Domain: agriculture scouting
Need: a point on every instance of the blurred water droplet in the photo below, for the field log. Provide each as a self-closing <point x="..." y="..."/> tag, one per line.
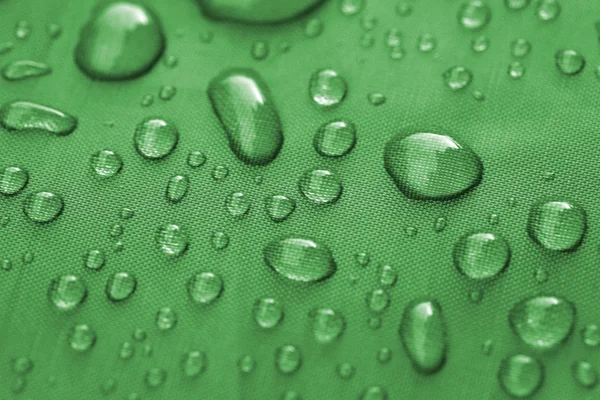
<point x="396" y="53"/>
<point x="351" y="7"/>
<point x="440" y="224"/>
<point x="259" y="50"/>
<point x="367" y="40"/>
<point x="268" y="312"/>
<point x="374" y="393"/>
<point x="481" y="255"/>
<point x="120" y="286"/>
<point x="23" y="69"/>
<point x="279" y="207"/>
<point x="591" y="335"/>
<point x="516" y="70"/>
<point x="116" y="230"/>
<point x="520" y="48"/>
<point x="520" y="375"/>
<point x="82" y="338"/>
<point x="67" y="292"/>
<point x="126" y="350"/>
<point x="393" y="38"/>
<point x="547" y="10"/>
<point x="374" y="322"/>
<point x="147" y="100"/>
<point x="516" y="5"/>
<point x="480" y="44"/>
<point x="388" y="276"/>
<point x="6" y="265"/>
<point x="177" y="188"/>
<point x="479" y="96"/>
<point x="426" y="43"/>
<point x="569" y="62"/>
<point x="18" y="385"/>
<point x="287" y="359"/>
<point x="220" y="172"/>
<point x="28" y="257"/>
<point x="320" y="186"/>
<point x="22" y="30"/>
<point x="194" y="363"/>
<point x="220" y="240"/>
<point x="376" y="99"/>
<point x="313" y="28"/>
<point x="541" y="275"/>
<point x="457" y="78"/>
<point x="108" y="386"/>
<point x="557" y="225"/>
<point x="106" y="163"/>
<point x="196" y="159"/>
<point x="13" y="180"/>
<point x="368" y="22"/>
<point x="327" y="324"/>
<point x="362" y="258"/>
<point x="345" y="371"/>
<point x="172" y="240"/>
<point x="585" y="374"/>
<point x="126" y="213"/>
<point x="140" y="334"/>
<point x="246" y="364"/>
<point x="167" y="92"/>
<point x="170" y="61"/>
<point x="155" y="138"/>
<point x="487" y="347"/>
<point x="384" y="355"/>
<point x="291" y="395"/>
<point x="403" y="8"/>
<point x="378" y="300"/>
<point x="95" y="259"/>
<point x="166" y="319"/>
<point x="155" y="377"/>
<point x="22" y="365"/>
<point x="23" y="116"/>
<point x="335" y="139"/>
<point x="205" y="287"/>
<point x="327" y="88"/>
<point x="237" y="204"/>
<point x="301" y="260"/>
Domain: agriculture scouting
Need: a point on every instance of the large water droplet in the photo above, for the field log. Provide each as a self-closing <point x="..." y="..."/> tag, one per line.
<point x="423" y="334"/>
<point x="205" y="287"/>
<point x="268" y="312"/>
<point x="245" y="108"/>
<point x="301" y="260"/>
<point x="43" y="207"/>
<point x="106" y="163"/>
<point x="457" y="78"/>
<point x="429" y="166"/>
<point x="335" y="139"/>
<point x="172" y="240"/>
<point x="327" y="88"/>
<point x="256" y="11"/>
<point x="569" y="61"/>
<point x="327" y="324"/>
<point x="279" y="207"/>
<point x="320" y="186"/>
<point x="13" y="180"/>
<point x="288" y="359"/>
<point x="557" y="225"/>
<point x="67" y="292"/>
<point x="520" y="375"/>
<point x="481" y="255"/>
<point x="23" y="116"/>
<point x="585" y="374"/>
<point x="177" y="188"/>
<point x="23" y="69"/>
<point x="542" y="322"/>
<point x="155" y="138"/>
<point x="474" y="14"/>
<point x="122" y="40"/>
<point x="82" y="338"/>
<point x="194" y="363"/>
<point x="120" y="286"/>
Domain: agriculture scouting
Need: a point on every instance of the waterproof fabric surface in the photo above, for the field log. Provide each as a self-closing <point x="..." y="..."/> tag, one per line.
<point x="525" y="129"/>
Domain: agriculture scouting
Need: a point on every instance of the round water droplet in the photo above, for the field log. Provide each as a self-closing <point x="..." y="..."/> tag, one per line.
<point x="13" y="180"/>
<point x="374" y="393"/>
<point x="547" y="10"/>
<point x="95" y="259"/>
<point x="376" y="99"/>
<point x="384" y="355"/>
<point x="520" y="48"/>
<point x="172" y="240"/>
<point x="520" y="375"/>
<point x="6" y="265"/>
<point x="480" y="44"/>
<point x="378" y="300"/>
<point x="126" y="350"/>
<point x="260" y="50"/>
<point x="287" y="359"/>
<point x="279" y="207"/>
<point x="516" y="5"/>
<point x="351" y="7"/>
<point x="167" y="92"/>
<point x="569" y="61"/>
<point x="205" y="287"/>
<point x="22" y="365"/>
<point x="313" y="28"/>
<point x="166" y="319"/>
<point x="481" y="255"/>
<point x="345" y="371"/>
<point x="246" y="364"/>
<point x="126" y="213"/>
<point x="147" y="100"/>
<point x="327" y="88"/>
<point x="140" y="335"/>
<point x="106" y="163"/>
<point x="327" y="324"/>
<point x="320" y="186"/>
<point x="426" y="43"/>
<point x="542" y="322"/>
<point x="67" y="292"/>
<point x="429" y="166"/>
<point x="335" y="139"/>
<point x="457" y="78"/>
<point x="557" y="225"/>
<point x="237" y="204"/>
<point x="177" y="188"/>
<point x="120" y="286"/>
<point x="301" y="260"/>
<point x="516" y="70"/>
<point x="196" y="159"/>
<point x="82" y="338"/>
<point x="268" y="312"/>
<point x="479" y="96"/>
<point x="116" y="231"/>
<point x="155" y="138"/>
<point x="220" y="172"/>
<point x="585" y="374"/>
<point x="367" y="40"/>
<point x="487" y="347"/>
<point x="155" y="377"/>
<point x="388" y="276"/>
<point x="220" y="240"/>
<point x="122" y="40"/>
<point x="474" y="15"/>
<point x="194" y="363"/>
<point x="43" y="206"/>
<point x="591" y="335"/>
<point x="22" y="30"/>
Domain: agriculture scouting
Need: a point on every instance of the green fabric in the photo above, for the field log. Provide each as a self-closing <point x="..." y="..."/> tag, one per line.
<point x="543" y="123"/>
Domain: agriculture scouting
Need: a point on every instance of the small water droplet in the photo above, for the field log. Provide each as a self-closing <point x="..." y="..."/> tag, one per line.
<point x="28" y="257"/>
<point x="167" y="92"/>
<point x="480" y="44"/>
<point x="106" y="163"/>
<point x="384" y="355"/>
<point x="388" y="276"/>
<point x="126" y="213"/>
<point x="170" y="61"/>
<point x="140" y="334"/>
<point x="487" y="347"/>
<point x="237" y="204"/>
<point x="177" y="188"/>
<point x="440" y="224"/>
<point x="13" y="180"/>
<point x="246" y="364"/>
<point x="116" y="231"/>
<point x="367" y="40"/>
<point x="541" y="275"/>
<point x="120" y="286"/>
<point x="108" y="386"/>
<point x="327" y="88"/>
<point x="172" y="240"/>
<point x="569" y="62"/>
<point x="155" y="377"/>
<point x="457" y="78"/>
<point x="155" y="138"/>
<point x="335" y="139"/>
<point x="6" y="265"/>
<point x="520" y="375"/>
<point x="378" y="300"/>
<point x="82" y="338"/>
<point x="376" y="99"/>
<point x="345" y="371"/>
<point x="300" y="260"/>
<point x="22" y="365"/>
<point x="516" y="70"/>
<point x="475" y="296"/>
<point x="94" y="259"/>
<point x="24" y="69"/>
<point x="557" y="225"/>
<point x="196" y="159"/>
<point x="313" y="28"/>
<point x="327" y="324"/>
<point x="403" y="9"/>
<point x="516" y="5"/>
<point x="520" y="48"/>
<point x="479" y="96"/>
<point x="374" y="393"/>
<point x="393" y="38"/>
<point x="220" y="240"/>
<point x="206" y="37"/>
<point x="591" y="335"/>
<point x="19" y="384"/>
<point x="205" y="287"/>
<point x="320" y="186"/>
<point x="22" y="30"/>
<point x="23" y="116"/>
<point x="220" y="172"/>
<point x="279" y="207"/>
<point x="396" y="53"/>
<point x="547" y="10"/>
<point x="194" y="363"/>
<point x="426" y="43"/>
<point x="147" y="100"/>
<point x="474" y="15"/>
<point x="288" y="359"/>
<point x="67" y="292"/>
<point x="291" y="395"/>
<point x="259" y="50"/>
<point x="585" y="374"/>
<point x="351" y="7"/>
<point x="481" y="255"/>
<point x="268" y="312"/>
<point x="126" y="350"/>
<point x="166" y="319"/>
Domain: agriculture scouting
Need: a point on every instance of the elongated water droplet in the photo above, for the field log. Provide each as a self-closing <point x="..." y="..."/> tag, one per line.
<point x="327" y="88"/>
<point x="320" y="186"/>
<point x="120" y="286"/>
<point x="147" y="100"/>
<point x="67" y="292"/>
<point x="237" y="204"/>
<point x="53" y="30"/>
<point x="95" y="259"/>
<point x="384" y="355"/>
<point x="542" y="322"/>
<point x="43" y="207"/>
<point x="177" y="188"/>
<point x="256" y="11"/>
<point x="194" y="363"/>
<point x="335" y="139"/>
<point x="378" y="300"/>
<point x="122" y="40"/>
<point x="569" y="62"/>
<point x="6" y="47"/>
<point x="82" y="338"/>
<point x="166" y="319"/>
<point x="520" y="375"/>
<point x="23" y="116"/>
<point x="313" y="28"/>
<point x="155" y="138"/>
<point x="288" y="359"/>
<point x="106" y="163"/>
<point x="431" y="166"/>
<point x="172" y="240"/>
<point x="457" y="78"/>
<point x="245" y="108"/>
<point x="557" y="225"/>
<point x="126" y="350"/>
<point x="423" y="334"/>
<point x="268" y="312"/>
<point x="376" y="99"/>
<point x="23" y="69"/>
<point x="388" y="276"/>
<point x="279" y="207"/>
<point x="220" y="240"/>
<point x="205" y="287"/>
<point x="301" y="260"/>
<point x="547" y="10"/>
<point x="22" y="365"/>
<point x="13" y="180"/>
<point x="327" y="324"/>
<point x="585" y="374"/>
<point x="481" y="255"/>
<point x="155" y="377"/>
<point x="474" y="15"/>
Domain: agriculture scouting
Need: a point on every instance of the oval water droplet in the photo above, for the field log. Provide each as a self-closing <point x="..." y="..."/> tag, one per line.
<point x="155" y="377"/>
<point x="82" y="338"/>
<point x="481" y="255"/>
<point x="155" y="138"/>
<point x="327" y="324"/>
<point x="194" y="363"/>
<point x="220" y="240"/>
<point x="237" y="204"/>
<point x="196" y="159"/>
<point x="520" y="375"/>
<point x="13" y="180"/>
<point x="327" y="88"/>
<point x="547" y="10"/>
<point x="384" y="355"/>
<point x="166" y="319"/>
<point x="167" y="92"/>
<point x="256" y="11"/>
<point x="268" y="312"/>
<point x="429" y="166"/>
<point x="426" y="43"/>
<point x="320" y="186"/>
<point x="569" y="62"/>
<point x="301" y="260"/>
<point x="43" y="207"/>
<point x="474" y="15"/>
<point x="67" y="292"/>
<point x="279" y="207"/>
<point x="313" y="28"/>
<point x="585" y="374"/>
<point x="351" y="7"/>
<point x="126" y="350"/>
<point x="423" y="335"/>
<point x="516" y="5"/>
<point x="106" y="163"/>
<point x="557" y="225"/>
<point x="520" y="47"/>
<point x="378" y="300"/>
<point x="22" y="365"/>
<point x="335" y="139"/>
<point x="23" y="116"/>
<point x="288" y="359"/>
<point x="177" y="188"/>
<point x="120" y="286"/>
<point x="205" y="287"/>
<point x="457" y="78"/>
<point x="516" y="70"/>
<point x="94" y="259"/>
<point x="259" y="50"/>
<point x="345" y="371"/>
<point x="122" y="40"/>
<point x="388" y="276"/>
<point x="23" y="69"/>
<point x="172" y="240"/>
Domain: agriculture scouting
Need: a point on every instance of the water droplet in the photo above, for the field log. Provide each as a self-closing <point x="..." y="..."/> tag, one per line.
<point x="327" y="88"/>
<point x="351" y="7"/>
<point x="82" y="338"/>
<point x="569" y="61"/>
<point x="205" y="287"/>
<point x="22" y="365"/>
<point x="155" y="138"/>
<point x="487" y="347"/>
<point x="120" y="286"/>
<point x="23" y="116"/>
<point x="246" y="364"/>
<point x="423" y="334"/>
<point x="116" y="231"/>
<point x="457" y="78"/>
<point x="126" y="350"/>
<point x="378" y="300"/>
<point x="172" y="240"/>
<point x="474" y="15"/>
<point x="108" y="386"/>
<point x="440" y="224"/>
<point x="493" y="219"/>
<point x="327" y="324"/>
<point x="167" y="92"/>
<point x="155" y="377"/>
<point x="23" y="69"/>
<point x="429" y="166"/>
<point x="196" y="159"/>
<point x="585" y="374"/>
<point x="140" y="335"/>
<point x="426" y="43"/>
<point x="95" y="259"/>
<point x="4" y="221"/>
<point x="106" y="163"/>
<point x="516" y="5"/>
<point x="279" y="207"/>
<point x="557" y="225"/>
<point x="362" y="258"/>
<point x="320" y="186"/>
<point x="403" y="9"/>
<point x="541" y="275"/>
<point x="284" y="46"/>
<point x="384" y="355"/>
<point x="481" y="255"/>
<point x="147" y="100"/>
<point x="388" y="276"/>
<point x="67" y="292"/>
<point x="27" y="258"/>
<point x="126" y="213"/>
<point x="22" y="30"/>
<point x="6" y="265"/>
<point x="194" y="363"/>
<point x="345" y="371"/>
<point x="520" y="375"/>
<point x="374" y="393"/>
<point x="291" y="395"/>
<point x="313" y="28"/>
<point x="288" y="359"/>
<point x="6" y="47"/>
<point x="542" y="322"/>
<point x="479" y="96"/>
<point x="547" y="10"/>
<point x="259" y="50"/>
<point x="268" y="312"/>
<point x="301" y="260"/>
<point x="335" y="139"/>
<point x="393" y="38"/>
<point x="220" y="240"/>
<point x="396" y="53"/>
<point x="244" y="106"/>
<point x="237" y="204"/>
<point x="177" y="188"/>
<point x="220" y="172"/>
<point x="13" y="180"/>
<point x="591" y="335"/>
<point x="520" y="48"/>
<point x="480" y="44"/>
<point x="516" y="70"/>
<point x="122" y="40"/>
<point x="170" y="61"/>
<point x="166" y="319"/>
<point x="256" y="12"/>
<point x="376" y="99"/>
<point x="374" y="322"/>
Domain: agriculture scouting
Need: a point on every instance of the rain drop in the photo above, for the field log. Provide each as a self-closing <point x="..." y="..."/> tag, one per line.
<point x="13" y="180"/>
<point x="268" y="312"/>
<point x="172" y="240"/>
<point x="327" y="325"/>
<point x="166" y="319"/>
<point x="120" y="286"/>
<point x="320" y="186"/>
<point x="474" y="15"/>
<point x="155" y="138"/>
<point x="300" y="260"/>
<point x="335" y="139"/>
<point x="287" y="359"/>
<point x="82" y="338"/>
<point x="520" y="375"/>
<point x="327" y="88"/>
<point x="67" y="292"/>
<point x="557" y="225"/>
<point x="569" y="62"/>
<point x="279" y="207"/>
<point x="481" y="255"/>
<point x="205" y="287"/>
<point x="106" y="163"/>
<point x="177" y="188"/>
<point x="457" y="78"/>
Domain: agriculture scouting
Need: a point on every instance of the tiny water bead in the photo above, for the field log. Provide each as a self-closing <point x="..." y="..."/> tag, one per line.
<point x="374" y="393"/>
<point x="335" y="139"/>
<point x="22" y="365"/>
<point x="327" y="324"/>
<point x="547" y="10"/>
<point x="194" y="363"/>
<point x="569" y="62"/>
<point x="177" y="188"/>
<point x="426" y="43"/>
<point x="244" y="106"/>
<point x="166" y="319"/>
<point x="542" y="322"/>
<point x="423" y="334"/>
<point x="388" y="276"/>
<point x="457" y="78"/>
<point x="557" y="225"/>
<point x="585" y="374"/>
<point x="478" y="95"/>
<point x="170" y="61"/>
<point x="126" y="213"/>
<point x="384" y="355"/>
<point x="268" y="312"/>
<point x="520" y="375"/>
<point x="279" y="207"/>
<point x="67" y="292"/>
<point x="23" y="69"/>
<point x="591" y="335"/>
<point x="351" y="7"/>
<point x="120" y="286"/>
<point x="238" y="204"/>
<point x="116" y="231"/>
<point x="196" y="159"/>
<point x="219" y="240"/>
<point x="167" y="92"/>
<point x="147" y="100"/>
<point x="106" y="163"/>
<point x="320" y="186"/>
<point x="155" y="377"/>
<point x="94" y="259"/>
<point x="327" y="88"/>
<point x="122" y="40"/>
<point x="13" y="180"/>
<point x="520" y="48"/>
<point x="24" y="116"/>
<point x="27" y="258"/>
<point x="376" y="99"/>
<point x="108" y="386"/>
<point x="516" y="70"/>
<point x="300" y="259"/>
<point x="368" y="22"/>
<point x="126" y="350"/>
<point x="155" y="138"/>
<point x="487" y="347"/>
<point x="440" y="224"/>
<point x="172" y="240"/>
<point x="6" y="265"/>
<point x="429" y="166"/>
<point x="516" y="5"/>
<point x="313" y="28"/>
<point x="257" y="11"/>
<point x="396" y="53"/>
<point x="480" y="44"/>
<point x="82" y="338"/>
<point x="374" y="322"/>
<point x="378" y="300"/>
<point x="362" y="258"/>
<point x="220" y="172"/>
<point x="474" y="15"/>
<point x="481" y="255"/>
<point x="288" y="359"/>
<point x="345" y="371"/>
<point x="259" y="50"/>
<point x="541" y="275"/>
<point x="205" y="287"/>
<point x="246" y="364"/>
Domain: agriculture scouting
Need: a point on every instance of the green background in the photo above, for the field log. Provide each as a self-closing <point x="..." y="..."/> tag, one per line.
<point x="544" y="122"/>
